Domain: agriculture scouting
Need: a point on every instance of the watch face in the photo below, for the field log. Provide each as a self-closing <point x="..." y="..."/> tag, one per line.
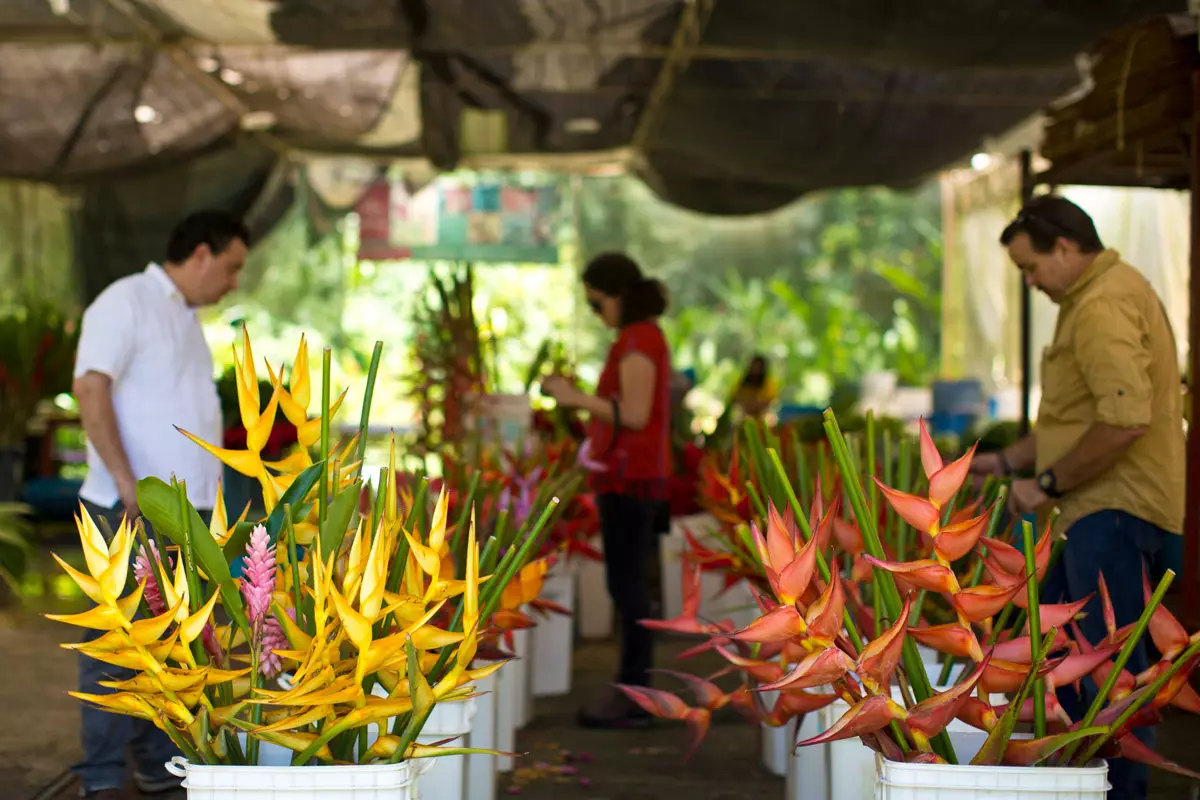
<point x="1046" y="481"/>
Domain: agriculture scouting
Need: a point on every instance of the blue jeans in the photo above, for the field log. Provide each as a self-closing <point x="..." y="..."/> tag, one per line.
<point x="1119" y="545"/>
<point x="105" y="736"/>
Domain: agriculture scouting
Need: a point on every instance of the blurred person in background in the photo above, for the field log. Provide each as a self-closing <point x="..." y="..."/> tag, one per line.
<point x="630" y="438"/>
<point x="757" y="391"/>
<point x="143" y="369"/>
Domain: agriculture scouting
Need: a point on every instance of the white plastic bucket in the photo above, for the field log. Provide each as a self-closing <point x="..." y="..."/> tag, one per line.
<point x="899" y="781"/>
<point x="553" y="642"/>
<point x="506" y="715"/>
<point x="845" y="769"/>
<point x="365" y="782"/>
<point x="715" y="602"/>
<point x="481" y="767"/>
<point x="509" y="415"/>
<point x="522" y="696"/>
<point x="595" y="612"/>
<point x="808" y="767"/>
<point x="446" y="776"/>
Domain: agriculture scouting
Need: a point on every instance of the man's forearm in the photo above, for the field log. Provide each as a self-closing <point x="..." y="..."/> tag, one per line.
<point x="100" y="425"/>
<point x="1021" y="455"/>
<point x="1099" y="448"/>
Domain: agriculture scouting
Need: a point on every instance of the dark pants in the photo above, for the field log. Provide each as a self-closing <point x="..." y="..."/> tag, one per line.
<point x="627" y="527"/>
<point x="104" y="735"/>
<point x="1119" y="545"/>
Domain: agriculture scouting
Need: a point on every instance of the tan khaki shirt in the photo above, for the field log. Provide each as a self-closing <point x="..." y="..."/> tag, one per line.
<point x="1113" y="360"/>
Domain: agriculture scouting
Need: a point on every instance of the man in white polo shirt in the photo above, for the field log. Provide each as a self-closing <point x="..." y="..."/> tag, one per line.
<point x="143" y="369"/>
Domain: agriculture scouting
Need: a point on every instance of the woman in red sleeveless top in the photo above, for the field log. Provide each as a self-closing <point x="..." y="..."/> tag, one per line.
<point x="630" y="437"/>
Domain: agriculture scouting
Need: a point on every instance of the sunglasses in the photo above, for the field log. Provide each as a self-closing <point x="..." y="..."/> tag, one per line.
<point x="594" y="305"/>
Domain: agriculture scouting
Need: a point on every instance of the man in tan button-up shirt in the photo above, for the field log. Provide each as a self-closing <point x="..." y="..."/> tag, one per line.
<point x="1108" y="448"/>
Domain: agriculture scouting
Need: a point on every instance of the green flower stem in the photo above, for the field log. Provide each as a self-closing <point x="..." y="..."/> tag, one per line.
<point x="1035" y="630"/>
<point x="323" y="497"/>
<point x="1114" y="674"/>
<point x="294" y="564"/>
<point x="922" y="688"/>
<point x="904" y="481"/>
<point x="256" y="709"/>
<point x="759" y="507"/>
<point x="364" y="418"/>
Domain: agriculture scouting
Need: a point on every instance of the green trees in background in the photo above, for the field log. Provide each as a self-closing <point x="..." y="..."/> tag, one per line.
<point x="829" y="288"/>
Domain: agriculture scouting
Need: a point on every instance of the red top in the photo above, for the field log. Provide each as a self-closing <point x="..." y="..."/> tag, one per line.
<point x="639" y="462"/>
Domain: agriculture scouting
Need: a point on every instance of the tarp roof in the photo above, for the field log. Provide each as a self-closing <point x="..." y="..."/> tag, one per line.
<point x="771" y="99"/>
<point x="731" y="106"/>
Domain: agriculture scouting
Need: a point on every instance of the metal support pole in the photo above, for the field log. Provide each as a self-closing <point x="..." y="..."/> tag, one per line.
<point x="1191" y="544"/>
<point x="1028" y="182"/>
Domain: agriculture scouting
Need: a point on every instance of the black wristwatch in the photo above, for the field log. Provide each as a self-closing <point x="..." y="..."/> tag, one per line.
<point x="1048" y="483"/>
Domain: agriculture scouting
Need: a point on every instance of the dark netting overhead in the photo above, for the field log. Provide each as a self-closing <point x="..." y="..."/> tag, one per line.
<point x="770" y="99"/>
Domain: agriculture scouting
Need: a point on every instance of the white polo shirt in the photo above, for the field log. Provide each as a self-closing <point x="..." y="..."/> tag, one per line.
<point x="142" y="333"/>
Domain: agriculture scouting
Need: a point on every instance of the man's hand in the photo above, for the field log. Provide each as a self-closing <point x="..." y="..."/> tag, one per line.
<point x="1026" y="496"/>
<point x="984" y="466"/>
<point x="128" y="492"/>
<point x="987" y="464"/>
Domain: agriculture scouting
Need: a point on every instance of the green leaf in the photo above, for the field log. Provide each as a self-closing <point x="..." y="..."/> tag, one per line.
<point x="337" y="518"/>
<point x="160" y="504"/>
<point x="239" y="537"/>
<point x="294" y="497"/>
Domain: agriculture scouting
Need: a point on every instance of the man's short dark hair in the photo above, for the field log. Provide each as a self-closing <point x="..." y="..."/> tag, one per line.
<point x="1047" y="218"/>
<point x="216" y="229"/>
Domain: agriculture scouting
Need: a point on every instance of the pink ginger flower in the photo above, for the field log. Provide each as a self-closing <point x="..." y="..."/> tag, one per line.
<point x="258" y="577"/>
<point x="273" y="638"/>
<point x="144" y="571"/>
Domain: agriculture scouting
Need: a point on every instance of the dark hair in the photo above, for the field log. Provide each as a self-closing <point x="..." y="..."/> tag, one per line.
<point x="1047" y="218"/>
<point x="618" y="275"/>
<point x="752" y="380"/>
<point x="216" y="229"/>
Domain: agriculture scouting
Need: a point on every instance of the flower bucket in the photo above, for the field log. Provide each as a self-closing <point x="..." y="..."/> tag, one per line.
<point x="354" y="782"/>
<point x="553" y="639"/>
<point x="522" y="696"/>
<point x="776" y="741"/>
<point x="808" y="767"/>
<point x="446" y="776"/>
<point x="595" y="613"/>
<point x="845" y="769"/>
<point x="481" y="767"/>
<point x="899" y="781"/>
<point x="717" y="602"/>
<point x="506" y="715"/>
<point x="508" y="415"/>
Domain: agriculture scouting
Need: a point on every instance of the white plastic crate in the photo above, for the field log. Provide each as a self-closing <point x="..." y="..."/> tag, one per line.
<point x="553" y="644"/>
<point x="899" y="781"/>
<point x="367" y="782"/>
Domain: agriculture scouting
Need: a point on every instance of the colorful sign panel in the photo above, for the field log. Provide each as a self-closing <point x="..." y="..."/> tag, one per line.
<point x="452" y="219"/>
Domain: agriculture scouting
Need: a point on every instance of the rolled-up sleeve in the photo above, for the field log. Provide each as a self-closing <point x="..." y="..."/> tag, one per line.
<point x="1112" y="349"/>
<point x="106" y="336"/>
